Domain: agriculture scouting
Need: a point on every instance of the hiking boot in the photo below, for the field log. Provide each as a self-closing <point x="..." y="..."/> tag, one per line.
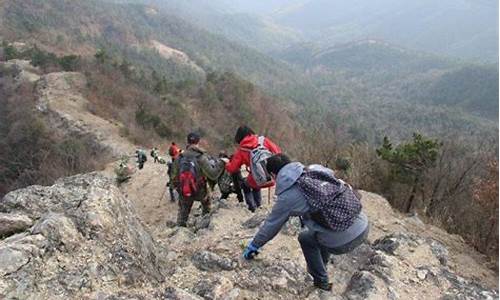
<point x="323" y="285"/>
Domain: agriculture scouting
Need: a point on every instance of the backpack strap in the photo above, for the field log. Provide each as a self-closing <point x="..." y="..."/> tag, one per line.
<point x="261" y="140"/>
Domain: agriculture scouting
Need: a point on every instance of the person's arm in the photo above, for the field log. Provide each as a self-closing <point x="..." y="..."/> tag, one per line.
<point x="235" y="162"/>
<point x="280" y="213"/>
<point x="212" y="169"/>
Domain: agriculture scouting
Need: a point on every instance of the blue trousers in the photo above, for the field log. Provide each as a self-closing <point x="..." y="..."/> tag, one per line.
<point x="317" y="255"/>
<point x="253" y="197"/>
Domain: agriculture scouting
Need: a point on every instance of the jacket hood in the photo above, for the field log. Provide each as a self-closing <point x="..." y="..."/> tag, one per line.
<point x="287" y="176"/>
<point x="250" y="141"/>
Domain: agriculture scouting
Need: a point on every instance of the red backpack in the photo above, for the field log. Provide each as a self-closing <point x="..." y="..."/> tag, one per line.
<point x="190" y="178"/>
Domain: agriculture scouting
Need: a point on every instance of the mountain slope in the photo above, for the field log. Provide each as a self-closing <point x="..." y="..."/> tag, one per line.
<point x="128" y="30"/>
<point x="463" y="28"/>
<point x="249" y="29"/>
<point x="372" y="72"/>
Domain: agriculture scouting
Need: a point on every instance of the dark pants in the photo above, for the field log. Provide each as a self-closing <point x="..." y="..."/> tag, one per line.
<point x="253" y="197"/>
<point x="237" y="183"/>
<point x="170" y="184"/>
<point x="185" y="205"/>
<point x="317" y="255"/>
<point x="171" y="191"/>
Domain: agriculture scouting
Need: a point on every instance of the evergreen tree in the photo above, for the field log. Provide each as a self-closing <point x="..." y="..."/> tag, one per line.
<point x="409" y="162"/>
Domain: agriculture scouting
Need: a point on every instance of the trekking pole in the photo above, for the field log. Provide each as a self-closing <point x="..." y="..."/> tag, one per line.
<point x="162" y="195"/>
<point x="269" y="195"/>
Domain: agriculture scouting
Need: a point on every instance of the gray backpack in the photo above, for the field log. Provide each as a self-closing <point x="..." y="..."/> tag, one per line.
<point x="258" y="157"/>
<point x="333" y="203"/>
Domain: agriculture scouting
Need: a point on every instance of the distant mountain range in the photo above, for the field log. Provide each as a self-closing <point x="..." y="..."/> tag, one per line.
<point x="466" y="29"/>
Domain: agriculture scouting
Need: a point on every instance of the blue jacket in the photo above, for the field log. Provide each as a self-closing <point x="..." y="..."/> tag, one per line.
<point x="291" y="202"/>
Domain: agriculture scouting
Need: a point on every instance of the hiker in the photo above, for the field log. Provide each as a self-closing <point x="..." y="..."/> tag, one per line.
<point x="173" y="151"/>
<point x="229" y="183"/>
<point x="170" y="185"/>
<point x="251" y="151"/>
<point x="155" y="154"/>
<point x="190" y="172"/>
<point x="326" y="206"/>
<point x="141" y="158"/>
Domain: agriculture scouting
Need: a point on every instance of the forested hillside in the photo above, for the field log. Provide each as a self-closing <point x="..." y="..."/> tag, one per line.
<point x="128" y="30"/>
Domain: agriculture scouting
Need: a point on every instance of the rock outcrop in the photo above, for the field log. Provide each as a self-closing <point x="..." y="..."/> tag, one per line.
<point x="86" y="238"/>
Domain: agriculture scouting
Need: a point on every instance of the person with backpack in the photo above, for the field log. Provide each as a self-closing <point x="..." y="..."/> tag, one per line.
<point x="229" y="183"/>
<point x="174" y="151"/>
<point x="327" y="207"/>
<point x="155" y="154"/>
<point x="141" y="158"/>
<point x="252" y="152"/>
<point x="191" y="171"/>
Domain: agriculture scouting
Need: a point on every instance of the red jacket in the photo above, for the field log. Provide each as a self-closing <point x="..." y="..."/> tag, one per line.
<point x="242" y="157"/>
<point x="174" y="151"/>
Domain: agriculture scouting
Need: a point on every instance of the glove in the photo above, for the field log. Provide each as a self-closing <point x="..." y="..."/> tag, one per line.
<point x="250" y="251"/>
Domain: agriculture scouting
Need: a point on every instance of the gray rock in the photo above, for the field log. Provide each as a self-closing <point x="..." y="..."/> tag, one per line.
<point x="276" y="276"/>
<point x="390" y="243"/>
<point x="173" y="293"/>
<point x="462" y="289"/>
<point x="87" y="236"/>
<point x="59" y="230"/>
<point x="11" y="260"/>
<point x="361" y="285"/>
<point x="209" y="261"/>
<point x="202" y="222"/>
<point x="254" y="221"/>
<point x="13" y="223"/>
<point x="439" y="250"/>
<point x="422" y="274"/>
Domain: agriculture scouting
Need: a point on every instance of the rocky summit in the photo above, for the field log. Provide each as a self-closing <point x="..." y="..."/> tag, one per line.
<point x="87" y="238"/>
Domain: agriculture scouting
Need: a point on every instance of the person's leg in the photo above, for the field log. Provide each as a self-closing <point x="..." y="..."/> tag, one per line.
<point x="257" y="197"/>
<point x="171" y="191"/>
<point x="314" y="259"/>
<point x="248" y="196"/>
<point x="184" y="210"/>
<point x="205" y="204"/>
<point x="237" y="179"/>
<point x="325" y="255"/>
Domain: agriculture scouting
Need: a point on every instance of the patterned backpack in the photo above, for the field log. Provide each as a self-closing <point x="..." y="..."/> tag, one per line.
<point x="333" y="203"/>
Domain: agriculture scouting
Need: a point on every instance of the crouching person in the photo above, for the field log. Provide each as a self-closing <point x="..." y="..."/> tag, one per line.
<point x="190" y="173"/>
<point x="327" y="207"/>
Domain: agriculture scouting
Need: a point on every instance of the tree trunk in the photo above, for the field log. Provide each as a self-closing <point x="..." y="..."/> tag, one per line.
<point x="409" y="202"/>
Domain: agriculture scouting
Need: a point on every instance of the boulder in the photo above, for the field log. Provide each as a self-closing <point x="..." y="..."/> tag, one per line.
<point x="254" y="221"/>
<point x="87" y="237"/>
<point x="13" y="223"/>
<point x="209" y="261"/>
